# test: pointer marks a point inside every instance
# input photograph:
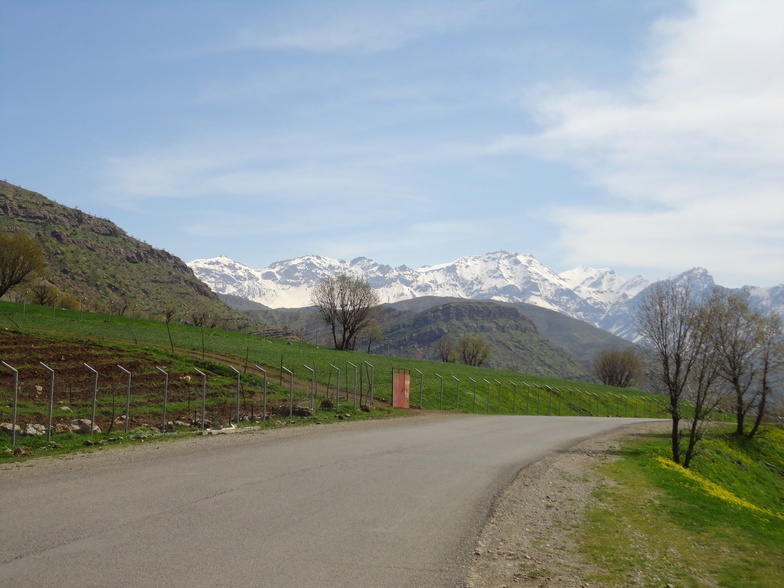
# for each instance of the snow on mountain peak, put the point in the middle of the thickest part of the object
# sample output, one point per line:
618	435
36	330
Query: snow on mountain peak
499	275
598	296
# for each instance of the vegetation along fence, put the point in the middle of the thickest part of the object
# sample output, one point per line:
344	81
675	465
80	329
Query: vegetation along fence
71	371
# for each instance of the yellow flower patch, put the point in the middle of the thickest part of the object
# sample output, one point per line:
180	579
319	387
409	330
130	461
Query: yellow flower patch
714	489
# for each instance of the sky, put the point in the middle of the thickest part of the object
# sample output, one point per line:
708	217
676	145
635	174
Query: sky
646	136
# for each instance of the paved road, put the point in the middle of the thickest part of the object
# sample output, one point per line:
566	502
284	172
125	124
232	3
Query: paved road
395	503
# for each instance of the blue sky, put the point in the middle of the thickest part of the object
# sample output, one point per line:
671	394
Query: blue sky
646	135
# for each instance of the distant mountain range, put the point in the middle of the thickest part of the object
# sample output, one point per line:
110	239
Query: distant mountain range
599	297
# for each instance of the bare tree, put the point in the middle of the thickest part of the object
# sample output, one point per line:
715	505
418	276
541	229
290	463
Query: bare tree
702	389
445	347
736	336
168	315
676	328
21	259
615	367
44	294
200	320
348	304
771	361
372	332
473	350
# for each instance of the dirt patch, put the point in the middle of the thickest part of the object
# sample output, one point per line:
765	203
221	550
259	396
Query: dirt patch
529	539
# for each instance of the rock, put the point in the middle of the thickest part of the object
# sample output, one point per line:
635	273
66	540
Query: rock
83	426
34	429
8	428
62	428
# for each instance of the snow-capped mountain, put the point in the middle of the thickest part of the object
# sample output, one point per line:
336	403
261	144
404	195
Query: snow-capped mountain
508	277
597	296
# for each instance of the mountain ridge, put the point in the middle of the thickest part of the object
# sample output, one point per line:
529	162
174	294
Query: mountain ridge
599	297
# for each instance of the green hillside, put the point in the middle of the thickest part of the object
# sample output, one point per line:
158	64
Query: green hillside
102	267
514	340
718	523
522	337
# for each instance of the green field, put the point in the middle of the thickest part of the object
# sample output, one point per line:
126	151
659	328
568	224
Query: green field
297	374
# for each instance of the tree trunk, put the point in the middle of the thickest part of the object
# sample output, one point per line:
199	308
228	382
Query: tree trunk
676	439
739	416
761	412
693	434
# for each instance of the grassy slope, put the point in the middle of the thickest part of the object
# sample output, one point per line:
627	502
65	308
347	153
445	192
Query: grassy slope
66	340
719	523
522	337
241	347
95	261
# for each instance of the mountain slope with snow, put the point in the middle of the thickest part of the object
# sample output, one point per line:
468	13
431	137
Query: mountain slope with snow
597	296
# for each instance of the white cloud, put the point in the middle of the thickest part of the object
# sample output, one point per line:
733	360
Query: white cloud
692	152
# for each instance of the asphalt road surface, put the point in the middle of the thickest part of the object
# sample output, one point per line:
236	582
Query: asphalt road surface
394	503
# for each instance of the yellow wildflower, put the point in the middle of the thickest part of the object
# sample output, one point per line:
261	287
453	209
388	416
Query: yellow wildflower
714	489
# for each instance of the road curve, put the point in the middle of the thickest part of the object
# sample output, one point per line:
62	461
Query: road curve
394	503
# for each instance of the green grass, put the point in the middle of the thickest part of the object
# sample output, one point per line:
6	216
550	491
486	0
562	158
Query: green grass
141	345
720	523
494	390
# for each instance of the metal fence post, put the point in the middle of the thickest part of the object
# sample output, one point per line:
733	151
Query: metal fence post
264	408
127	399
337	393
457	402
95	398
371	384
51	404
421	380
165	397
238	395
15	398
203	396
549	400
312	384
356	370
291	390
514	397
441	396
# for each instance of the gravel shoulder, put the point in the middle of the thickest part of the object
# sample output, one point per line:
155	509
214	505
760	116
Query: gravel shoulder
528	540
